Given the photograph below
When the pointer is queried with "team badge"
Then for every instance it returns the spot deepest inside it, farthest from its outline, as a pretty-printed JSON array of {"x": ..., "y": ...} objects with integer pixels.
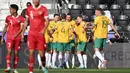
[
  {"x": 18, "y": 21},
  {"x": 40, "y": 12}
]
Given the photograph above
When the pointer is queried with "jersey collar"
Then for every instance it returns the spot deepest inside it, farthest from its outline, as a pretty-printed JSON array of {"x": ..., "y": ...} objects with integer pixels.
[
  {"x": 15, "y": 17},
  {"x": 37, "y": 7}
]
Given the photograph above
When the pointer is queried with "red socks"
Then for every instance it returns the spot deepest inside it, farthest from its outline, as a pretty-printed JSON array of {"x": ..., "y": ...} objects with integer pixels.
[
  {"x": 15, "y": 62},
  {"x": 8, "y": 61},
  {"x": 30, "y": 63}
]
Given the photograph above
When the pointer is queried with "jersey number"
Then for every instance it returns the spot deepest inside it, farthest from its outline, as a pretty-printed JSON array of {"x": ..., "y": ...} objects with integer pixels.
[{"x": 104, "y": 23}]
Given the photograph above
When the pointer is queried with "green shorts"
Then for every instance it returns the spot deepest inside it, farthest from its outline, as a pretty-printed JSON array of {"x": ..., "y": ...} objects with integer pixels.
[
  {"x": 54, "y": 45},
  {"x": 99, "y": 43},
  {"x": 72, "y": 44},
  {"x": 63, "y": 47},
  {"x": 49, "y": 46},
  {"x": 81, "y": 46}
]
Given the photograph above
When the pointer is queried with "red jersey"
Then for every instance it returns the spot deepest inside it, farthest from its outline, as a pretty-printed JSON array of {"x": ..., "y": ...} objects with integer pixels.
[
  {"x": 36, "y": 18},
  {"x": 14, "y": 24}
]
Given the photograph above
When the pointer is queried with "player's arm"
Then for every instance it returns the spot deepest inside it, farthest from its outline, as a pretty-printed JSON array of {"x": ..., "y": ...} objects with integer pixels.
[
  {"x": 20, "y": 31},
  {"x": 46, "y": 21},
  {"x": 112, "y": 26},
  {"x": 4, "y": 32}
]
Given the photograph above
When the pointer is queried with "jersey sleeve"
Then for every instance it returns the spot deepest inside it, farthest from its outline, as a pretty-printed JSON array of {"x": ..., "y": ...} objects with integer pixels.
[
  {"x": 45, "y": 12},
  {"x": 6, "y": 20},
  {"x": 49, "y": 26},
  {"x": 22, "y": 20},
  {"x": 108, "y": 21},
  {"x": 96, "y": 21},
  {"x": 27, "y": 11}
]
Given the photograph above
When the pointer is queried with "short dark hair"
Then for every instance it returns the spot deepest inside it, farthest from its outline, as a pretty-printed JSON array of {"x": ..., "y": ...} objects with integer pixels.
[
  {"x": 63, "y": 16},
  {"x": 99, "y": 9},
  {"x": 80, "y": 16},
  {"x": 14, "y": 6},
  {"x": 56, "y": 15},
  {"x": 28, "y": 4},
  {"x": 69, "y": 14}
]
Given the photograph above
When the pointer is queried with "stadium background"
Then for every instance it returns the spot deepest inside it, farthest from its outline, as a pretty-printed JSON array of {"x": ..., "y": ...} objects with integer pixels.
[{"x": 118, "y": 55}]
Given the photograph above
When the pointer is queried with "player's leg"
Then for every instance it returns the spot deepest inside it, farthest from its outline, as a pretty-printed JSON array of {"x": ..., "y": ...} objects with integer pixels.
[
  {"x": 79, "y": 55},
  {"x": 39, "y": 61},
  {"x": 60, "y": 56},
  {"x": 67, "y": 54},
  {"x": 102, "y": 53},
  {"x": 48, "y": 53},
  {"x": 84, "y": 54},
  {"x": 9, "y": 45},
  {"x": 41, "y": 50},
  {"x": 83, "y": 51},
  {"x": 54, "y": 55},
  {"x": 31, "y": 47},
  {"x": 73, "y": 56},
  {"x": 17, "y": 46},
  {"x": 97, "y": 45}
]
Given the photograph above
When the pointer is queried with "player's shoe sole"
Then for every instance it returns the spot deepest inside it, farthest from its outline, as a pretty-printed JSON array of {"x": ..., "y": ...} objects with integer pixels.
[
  {"x": 45, "y": 70},
  {"x": 7, "y": 70},
  {"x": 15, "y": 71}
]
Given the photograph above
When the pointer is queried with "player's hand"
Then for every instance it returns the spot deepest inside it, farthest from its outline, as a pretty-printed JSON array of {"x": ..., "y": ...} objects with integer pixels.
[
  {"x": 2, "y": 40},
  {"x": 51, "y": 39},
  {"x": 117, "y": 36},
  {"x": 15, "y": 35},
  {"x": 110, "y": 43},
  {"x": 22, "y": 38},
  {"x": 42, "y": 32},
  {"x": 70, "y": 35}
]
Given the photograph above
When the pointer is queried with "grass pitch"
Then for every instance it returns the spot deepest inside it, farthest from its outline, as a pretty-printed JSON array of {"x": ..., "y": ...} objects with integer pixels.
[{"x": 74, "y": 71}]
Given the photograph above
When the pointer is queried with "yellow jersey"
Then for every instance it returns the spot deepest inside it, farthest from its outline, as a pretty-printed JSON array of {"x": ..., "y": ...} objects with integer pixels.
[
  {"x": 101, "y": 26},
  {"x": 52, "y": 26},
  {"x": 63, "y": 29},
  {"x": 47, "y": 37},
  {"x": 71, "y": 34},
  {"x": 81, "y": 34}
]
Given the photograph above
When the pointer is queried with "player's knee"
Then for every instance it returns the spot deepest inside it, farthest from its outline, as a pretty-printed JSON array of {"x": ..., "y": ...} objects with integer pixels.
[
  {"x": 96, "y": 49},
  {"x": 78, "y": 52},
  {"x": 31, "y": 52},
  {"x": 9, "y": 51},
  {"x": 16, "y": 53}
]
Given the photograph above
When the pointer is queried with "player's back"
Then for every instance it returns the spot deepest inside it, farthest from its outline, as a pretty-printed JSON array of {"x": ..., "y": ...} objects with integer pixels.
[
  {"x": 63, "y": 28},
  {"x": 101, "y": 29}
]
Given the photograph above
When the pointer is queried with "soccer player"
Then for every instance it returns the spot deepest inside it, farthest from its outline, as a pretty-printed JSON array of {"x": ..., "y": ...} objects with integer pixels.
[
  {"x": 54, "y": 39},
  {"x": 71, "y": 39},
  {"x": 100, "y": 27},
  {"x": 63, "y": 29},
  {"x": 13, "y": 28},
  {"x": 81, "y": 39},
  {"x": 38, "y": 18}
]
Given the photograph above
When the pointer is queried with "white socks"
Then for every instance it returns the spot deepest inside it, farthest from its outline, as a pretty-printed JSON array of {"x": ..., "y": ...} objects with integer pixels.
[
  {"x": 80, "y": 59},
  {"x": 60, "y": 59},
  {"x": 100, "y": 64},
  {"x": 49, "y": 60},
  {"x": 73, "y": 60},
  {"x": 66, "y": 57},
  {"x": 85, "y": 60},
  {"x": 98, "y": 54},
  {"x": 39, "y": 60},
  {"x": 54, "y": 59}
]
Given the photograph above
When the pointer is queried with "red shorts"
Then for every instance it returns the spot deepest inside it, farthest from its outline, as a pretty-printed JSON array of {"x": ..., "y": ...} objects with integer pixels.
[
  {"x": 36, "y": 41},
  {"x": 15, "y": 43}
]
